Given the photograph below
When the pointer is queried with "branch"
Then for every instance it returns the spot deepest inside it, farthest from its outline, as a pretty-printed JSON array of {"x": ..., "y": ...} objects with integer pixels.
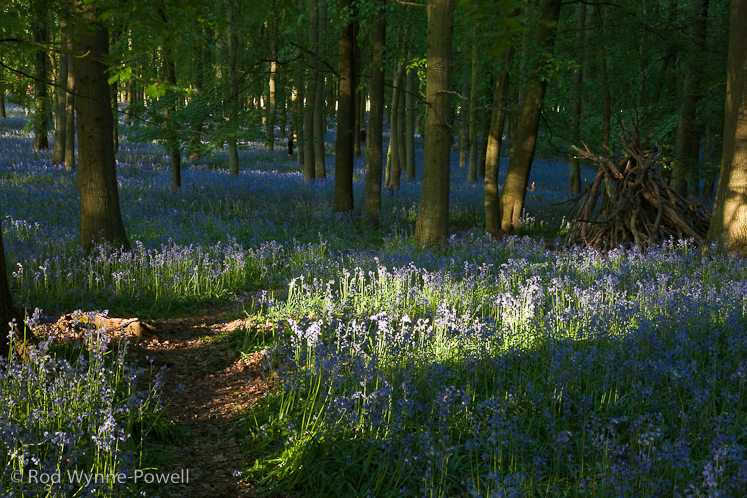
[{"x": 412, "y": 4}]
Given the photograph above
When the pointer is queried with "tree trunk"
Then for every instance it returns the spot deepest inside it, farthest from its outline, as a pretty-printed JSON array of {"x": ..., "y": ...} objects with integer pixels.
[
  {"x": 346, "y": 134},
  {"x": 272, "y": 85},
  {"x": 357, "y": 100},
  {"x": 472, "y": 169},
  {"x": 2, "y": 94},
  {"x": 520, "y": 164},
  {"x": 297, "y": 117},
  {"x": 70, "y": 112},
  {"x": 172, "y": 142},
  {"x": 687, "y": 147},
  {"x": 319, "y": 113},
  {"x": 604, "y": 81},
  {"x": 195, "y": 139},
  {"x": 114, "y": 93},
  {"x": 271, "y": 100},
  {"x": 376, "y": 120},
  {"x": 574, "y": 163},
  {"x": 282, "y": 108},
  {"x": 298, "y": 103},
  {"x": 432, "y": 225},
  {"x": 309, "y": 169},
  {"x": 60, "y": 125},
  {"x": 41, "y": 103},
  {"x": 394, "y": 131},
  {"x": 668, "y": 63},
  {"x": 10, "y": 313},
  {"x": 713, "y": 147},
  {"x": 495, "y": 140},
  {"x": 464, "y": 128},
  {"x": 410, "y": 120},
  {"x": 401, "y": 123},
  {"x": 362, "y": 108},
  {"x": 233, "y": 90},
  {"x": 729, "y": 222},
  {"x": 332, "y": 103},
  {"x": 100, "y": 217}
]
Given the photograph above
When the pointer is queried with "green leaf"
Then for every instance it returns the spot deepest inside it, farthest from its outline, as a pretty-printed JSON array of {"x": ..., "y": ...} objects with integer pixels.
[
  {"x": 154, "y": 91},
  {"x": 113, "y": 78}
]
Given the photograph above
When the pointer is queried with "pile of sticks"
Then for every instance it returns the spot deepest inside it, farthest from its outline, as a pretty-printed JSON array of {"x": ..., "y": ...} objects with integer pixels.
[{"x": 638, "y": 207}]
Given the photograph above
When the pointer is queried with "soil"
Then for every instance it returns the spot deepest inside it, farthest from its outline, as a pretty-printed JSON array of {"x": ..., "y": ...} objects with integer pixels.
[{"x": 218, "y": 384}]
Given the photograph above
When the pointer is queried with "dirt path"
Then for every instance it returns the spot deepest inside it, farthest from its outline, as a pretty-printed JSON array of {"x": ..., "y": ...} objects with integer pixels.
[{"x": 218, "y": 384}]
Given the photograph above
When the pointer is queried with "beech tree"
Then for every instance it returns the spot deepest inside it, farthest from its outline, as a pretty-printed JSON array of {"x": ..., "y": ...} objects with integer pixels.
[
  {"x": 100, "y": 217},
  {"x": 432, "y": 225},
  {"x": 520, "y": 163},
  {"x": 374, "y": 153},
  {"x": 344, "y": 154},
  {"x": 729, "y": 222},
  {"x": 40, "y": 32}
]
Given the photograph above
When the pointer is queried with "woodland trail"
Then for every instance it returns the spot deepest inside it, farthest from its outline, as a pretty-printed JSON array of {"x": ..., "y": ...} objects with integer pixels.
[{"x": 217, "y": 384}]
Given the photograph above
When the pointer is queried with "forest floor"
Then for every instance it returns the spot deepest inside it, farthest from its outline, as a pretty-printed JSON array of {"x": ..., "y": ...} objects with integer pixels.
[{"x": 218, "y": 383}]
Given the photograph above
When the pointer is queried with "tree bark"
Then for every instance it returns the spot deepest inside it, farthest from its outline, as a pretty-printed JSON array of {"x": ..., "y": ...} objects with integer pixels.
[
  {"x": 574, "y": 163},
  {"x": 10, "y": 313},
  {"x": 670, "y": 56},
  {"x": 172, "y": 142},
  {"x": 309, "y": 168},
  {"x": 70, "y": 112},
  {"x": 472, "y": 169},
  {"x": 432, "y": 225},
  {"x": 729, "y": 222},
  {"x": 401, "y": 123},
  {"x": 195, "y": 139},
  {"x": 464, "y": 128},
  {"x": 41, "y": 104},
  {"x": 495, "y": 140},
  {"x": 298, "y": 103},
  {"x": 320, "y": 168},
  {"x": 604, "y": 81},
  {"x": 374, "y": 137},
  {"x": 346, "y": 134},
  {"x": 520, "y": 164},
  {"x": 60, "y": 125},
  {"x": 2, "y": 96},
  {"x": 410, "y": 120},
  {"x": 271, "y": 94},
  {"x": 233, "y": 41},
  {"x": 687, "y": 145},
  {"x": 395, "y": 174},
  {"x": 357, "y": 99},
  {"x": 100, "y": 217}
]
